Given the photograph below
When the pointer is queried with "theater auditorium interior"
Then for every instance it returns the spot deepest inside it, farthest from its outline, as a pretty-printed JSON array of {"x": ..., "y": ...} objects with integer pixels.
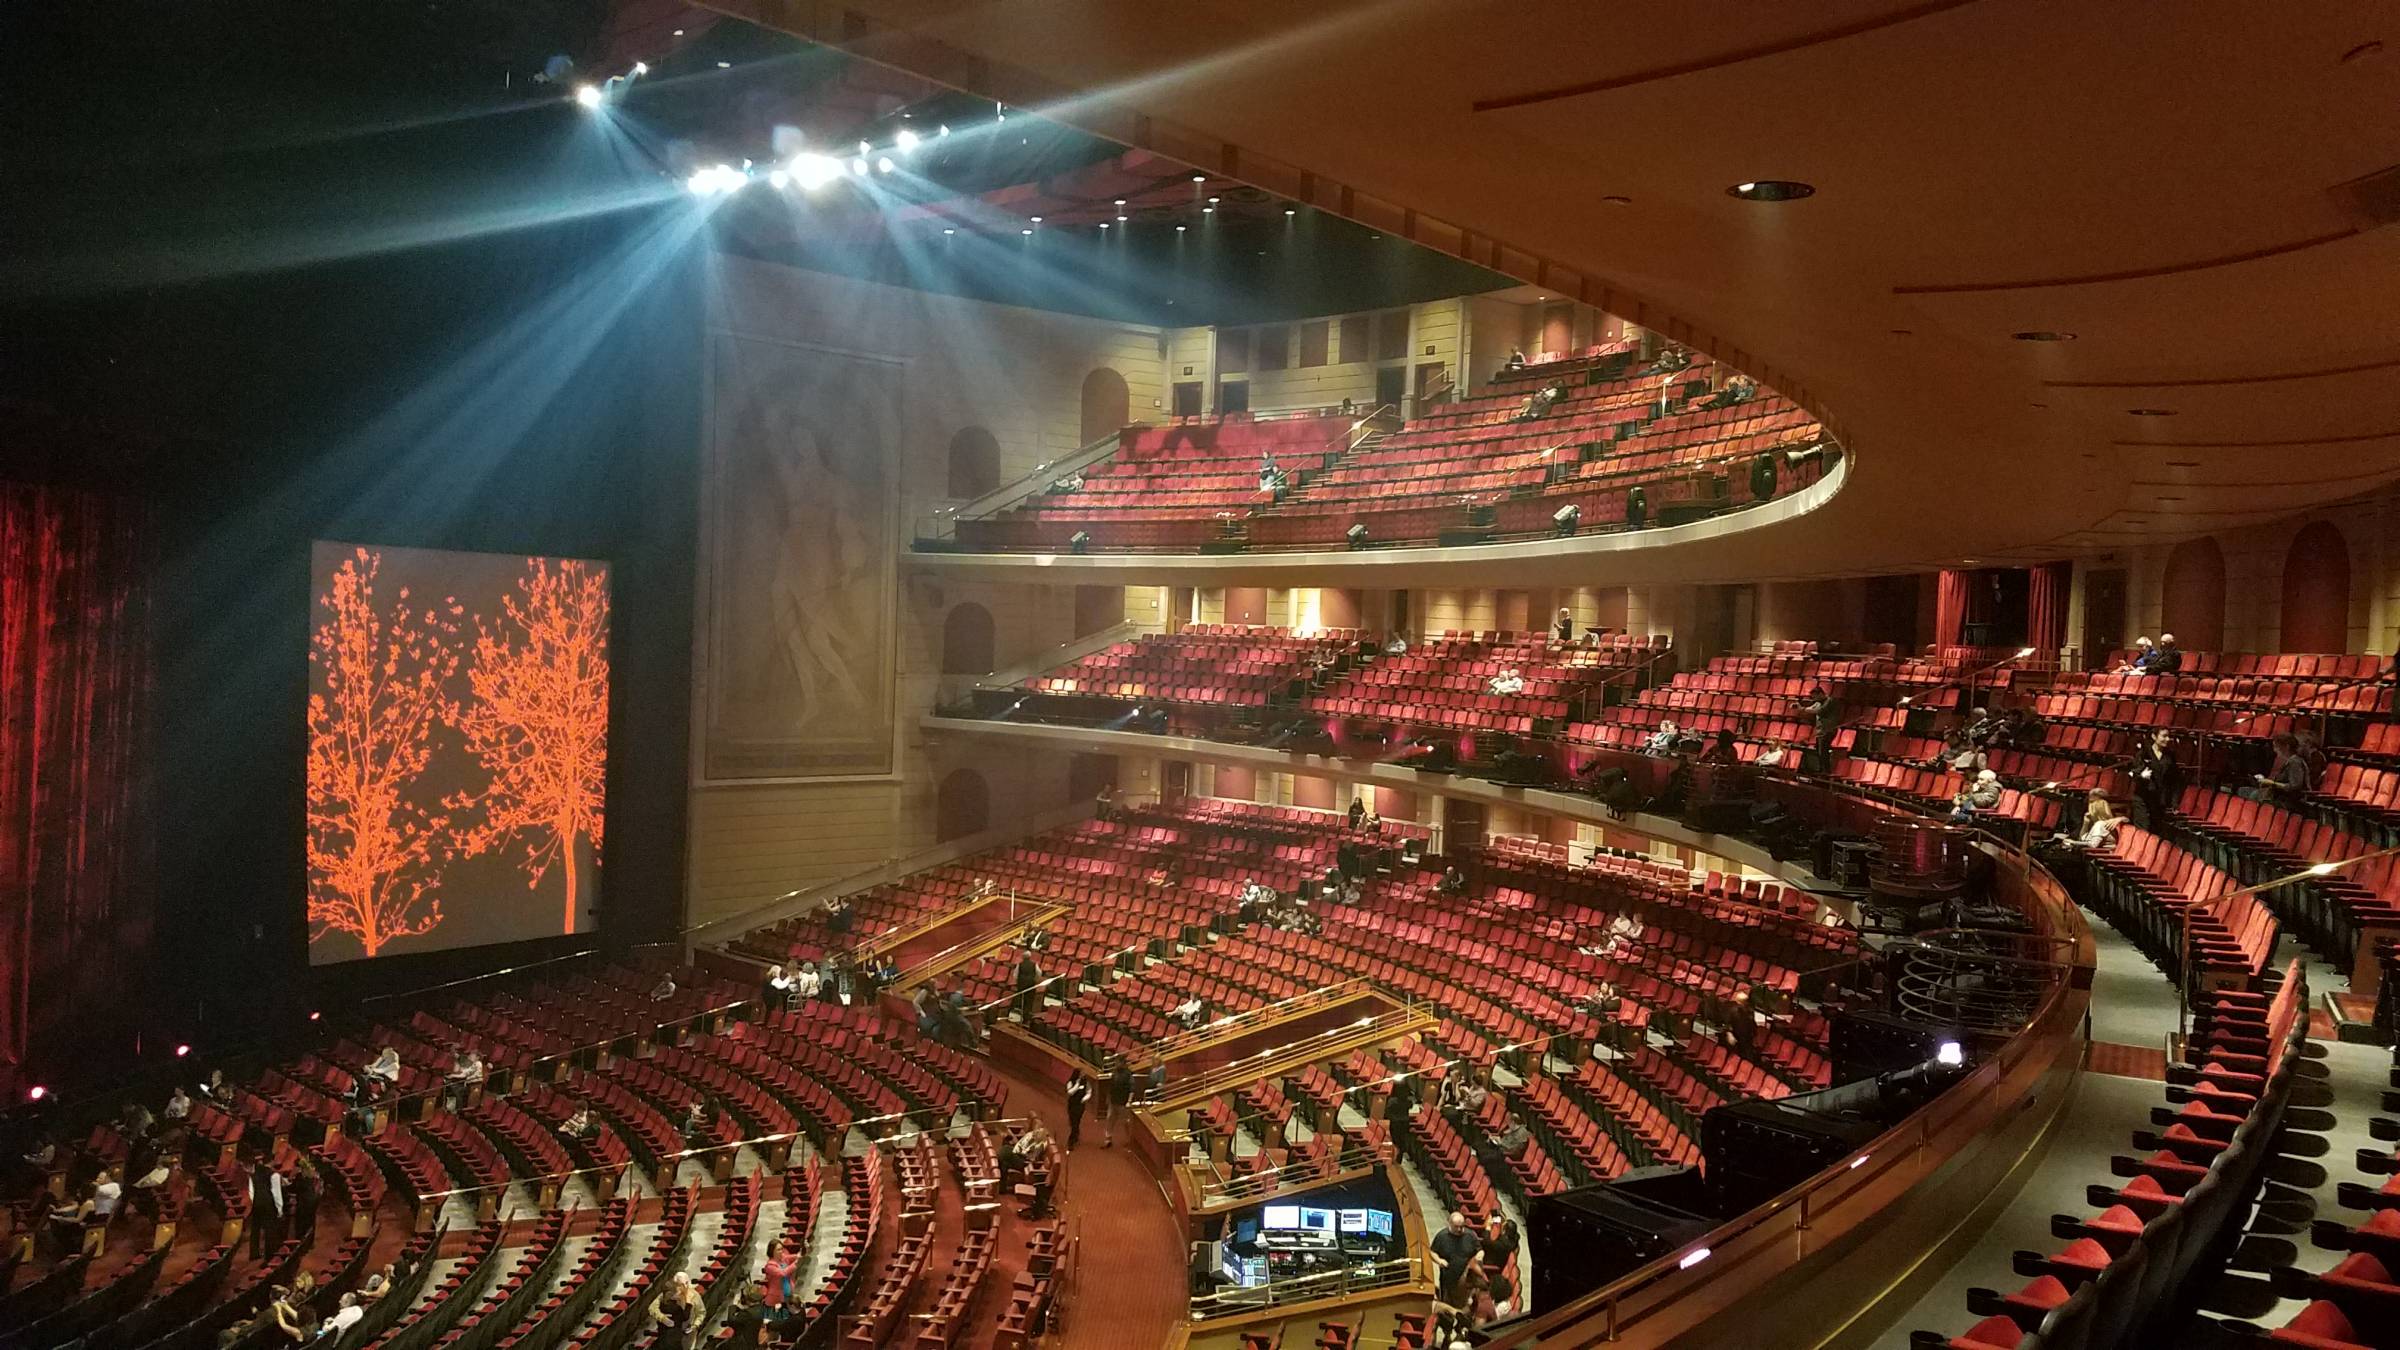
[{"x": 1378, "y": 675}]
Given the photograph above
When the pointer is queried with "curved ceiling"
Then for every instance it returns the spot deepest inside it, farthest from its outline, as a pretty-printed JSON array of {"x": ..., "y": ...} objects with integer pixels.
[{"x": 2162, "y": 184}]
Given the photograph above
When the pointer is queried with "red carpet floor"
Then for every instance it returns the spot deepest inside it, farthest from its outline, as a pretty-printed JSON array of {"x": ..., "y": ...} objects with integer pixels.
[
  {"x": 2128, "y": 1061},
  {"x": 1129, "y": 1290}
]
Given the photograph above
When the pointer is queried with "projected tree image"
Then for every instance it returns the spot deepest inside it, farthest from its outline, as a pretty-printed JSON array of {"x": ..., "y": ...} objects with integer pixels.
[
  {"x": 457, "y": 751},
  {"x": 376, "y": 844},
  {"x": 538, "y": 721}
]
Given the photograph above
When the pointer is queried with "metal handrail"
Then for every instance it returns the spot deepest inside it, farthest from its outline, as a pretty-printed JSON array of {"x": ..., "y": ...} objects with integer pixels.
[
  {"x": 1034, "y": 480},
  {"x": 1171, "y": 1046}
]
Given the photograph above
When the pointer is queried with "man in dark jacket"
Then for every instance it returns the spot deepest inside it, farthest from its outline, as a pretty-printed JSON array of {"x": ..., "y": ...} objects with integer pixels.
[{"x": 1029, "y": 981}]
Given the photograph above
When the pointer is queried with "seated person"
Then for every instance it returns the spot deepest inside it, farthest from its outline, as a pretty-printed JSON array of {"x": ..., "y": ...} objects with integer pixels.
[
  {"x": 699, "y": 1121},
  {"x": 385, "y": 1065},
  {"x": 2100, "y": 822},
  {"x": 1773, "y": 757},
  {"x": 1722, "y": 750},
  {"x": 1453, "y": 882},
  {"x": 1662, "y": 741},
  {"x": 665, "y": 988},
  {"x": 579, "y": 1124},
  {"x": 1026, "y": 1153},
  {"x": 2284, "y": 781},
  {"x": 1516, "y": 359},
  {"x": 1191, "y": 1013},
  {"x": 1960, "y": 754},
  {"x": 376, "y": 1285},
  {"x": 1397, "y": 645},
  {"x": 2138, "y": 663},
  {"x": 179, "y": 1104},
  {"x": 1982, "y": 794},
  {"x": 2166, "y": 658},
  {"x": 1508, "y": 681}
]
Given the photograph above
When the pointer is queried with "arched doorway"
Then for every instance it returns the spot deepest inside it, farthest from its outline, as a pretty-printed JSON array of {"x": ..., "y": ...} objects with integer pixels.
[
  {"x": 2192, "y": 603},
  {"x": 2316, "y": 590},
  {"x": 962, "y": 806},
  {"x": 974, "y": 463},
  {"x": 967, "y": 641},
  {"x": 1105, "y": 405}
]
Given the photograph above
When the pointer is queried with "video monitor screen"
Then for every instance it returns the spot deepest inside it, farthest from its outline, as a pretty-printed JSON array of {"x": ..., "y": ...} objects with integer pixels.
[
  {"x": 457, "y": 749},
  {"x": 1379, "y": 1222},
  {"x": 1354, "y": 1220},
  {"x": 1316, "y": 1220},
  {"x": 1280, "y": 1218}
]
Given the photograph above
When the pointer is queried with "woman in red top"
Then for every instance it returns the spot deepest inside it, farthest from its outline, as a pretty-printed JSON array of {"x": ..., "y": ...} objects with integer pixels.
[{"x": 776, "y": 1291}]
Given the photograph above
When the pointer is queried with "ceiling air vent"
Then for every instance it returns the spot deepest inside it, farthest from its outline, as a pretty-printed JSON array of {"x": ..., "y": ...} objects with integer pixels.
[{"x": 2372, "y": 200}]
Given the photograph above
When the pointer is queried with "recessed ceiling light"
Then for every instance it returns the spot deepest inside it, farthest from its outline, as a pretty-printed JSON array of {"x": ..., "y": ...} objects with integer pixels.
[
  {"x": 1208, "y": 210},
  {"x": 1771, "y": 190},
  {"x": 1291, "y": 210},
  {"x": 1027, "y": 230},
  {"x": 1104, "y": 224},
  {"x": 949, "y": 231},
  {"x": 1199, "y": 178},
  {"x": 2151, "y": 412},
  {"x": 679, "y": 32},
  {"x": 1181, "y": 228},
  {"x": 724, "y": 65},
  {"x": 1035, "y": 219},
  {"x": 1214, "y": 200},
  {"x": 1120, "y": 217},
  {"x": 1120, "y": 201},
  {"x": 2042, "y": 335},
  {"x": 1970, "y": 561}
]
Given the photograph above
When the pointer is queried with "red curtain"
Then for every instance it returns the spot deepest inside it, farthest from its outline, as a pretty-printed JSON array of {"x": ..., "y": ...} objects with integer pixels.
[
  {"x": 2046, "y": 606},
  {"x": 1950, "y": 607},
  {"x": 76, "y": 871}
]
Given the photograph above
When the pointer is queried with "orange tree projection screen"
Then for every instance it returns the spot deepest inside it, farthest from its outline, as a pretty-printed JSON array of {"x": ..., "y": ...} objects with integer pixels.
[{"x": 457, "y": 749}]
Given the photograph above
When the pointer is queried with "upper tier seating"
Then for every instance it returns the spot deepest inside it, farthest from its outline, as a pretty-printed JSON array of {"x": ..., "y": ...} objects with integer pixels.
[
  {"x": 1623, "y": 444},
  {"x": 1202, "y": 663}
]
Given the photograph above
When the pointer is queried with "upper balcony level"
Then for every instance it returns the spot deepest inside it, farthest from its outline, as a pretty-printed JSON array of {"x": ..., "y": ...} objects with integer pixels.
[{"x": 1618, "y": 445}]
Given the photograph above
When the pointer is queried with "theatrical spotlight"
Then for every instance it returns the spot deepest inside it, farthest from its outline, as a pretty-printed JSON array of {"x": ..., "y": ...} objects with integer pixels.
[
  {"x": 1357, "y": 535},
  {"x": 1079, "y": 542},
  {"x": 1566, "y": 518},
  {"x": 812, "y": 171},
  {"x": 883, "y": 164},
  {"x": 715, "y": 180},
  {"x": 588, "y": 95},
  {"x": 906, "y": 140}
]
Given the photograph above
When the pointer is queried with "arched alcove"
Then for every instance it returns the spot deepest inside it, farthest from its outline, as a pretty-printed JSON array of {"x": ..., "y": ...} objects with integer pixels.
[
  {"x": 962, "y": 806},
  {"x": 1105, "y": 404},
  {"x": 2316, "y": 590},
  {"x": 2192, "y": 603},
  {"x": 974, "y": 463},
  {"x": 967, "y": 641}
]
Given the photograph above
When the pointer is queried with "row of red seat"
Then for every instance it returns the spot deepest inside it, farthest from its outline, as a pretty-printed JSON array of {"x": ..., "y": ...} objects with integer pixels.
[{"x": 2124, "y": 1273}]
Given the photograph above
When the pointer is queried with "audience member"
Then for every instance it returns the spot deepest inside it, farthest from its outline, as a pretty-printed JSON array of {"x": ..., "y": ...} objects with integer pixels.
[
  {"x": 1029, "y": 986},
  {"x": 1982, "y": 794},
  {"x": 1722, "y": 750},
  {"x": 1562, "y": 626},
  {"x": 806, "y": 983},
  {"x": 746, "y": 1321},
  {"x": 346, "y": 1314},
  {"x": 1454, "y": 1248},
  {"x": 2157, "y": 779},
  {"x": 2138, "y": 661},
  {"x": 2166, "y": 658},
  {"x": 1662, "y": 741},
  {"x": 1397, "y": 645},
  {"x": 179, "y": 1105},
  {"x": 377, "y": 1284},
  {"x": 2286, "y": 780},
  {"x": 1508, "y": 681},
  {"x": 385, "y": 1065},
  {"x": 778, "y": 1291},
  {"x": 676, "y": 1315},
  {"x": 1453, "y": 882},
  {"x": 1117, "y": 1101},
  {"x": 266, "y": 1209},
  {"x": 1516, "y": 359},
  {"x": 665, "y": 988},
  {"x": 2100, "y": 822}
]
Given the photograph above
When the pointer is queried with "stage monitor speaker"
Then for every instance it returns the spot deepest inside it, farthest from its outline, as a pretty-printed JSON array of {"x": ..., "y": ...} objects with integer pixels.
[
  {"x": 1866, "y": 1042},
  {"x": 1593, "y": 1235}
]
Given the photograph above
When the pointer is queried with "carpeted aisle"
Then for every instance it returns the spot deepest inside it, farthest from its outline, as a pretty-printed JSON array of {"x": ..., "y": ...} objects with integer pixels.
[{"x": 1129, "y": 1291}]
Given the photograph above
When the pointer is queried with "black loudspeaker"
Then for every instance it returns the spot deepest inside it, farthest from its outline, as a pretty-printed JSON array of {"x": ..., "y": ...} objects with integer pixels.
[
  {"x": 1637, "y": 510},
  {"x": 1756, "y": 1150},
  {"x": 1866, "y": 1042},
  {"x": 1594, "y": 1235},
  {"x": 1762, "y": 477}
]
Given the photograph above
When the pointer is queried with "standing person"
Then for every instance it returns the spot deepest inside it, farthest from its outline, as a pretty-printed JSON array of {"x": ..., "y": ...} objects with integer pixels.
[
  {"x": 777, "y": 993},
  {"x": 775, "y": 1281},
  {"x": 2157, "y": 778},
  {"x": 304, "y": 1193},
  {"x": 1358, "y": 811},
  {"x": 1824, "y": 712},
  {"x": 1104, "y": 806},
  {"x": 1454, "y": 1247},
  {"x": 1079, "y": 1093},
  {"x": 266, "y": 1209},
  {"x": 676, "y": 1314},
  {"x": 1029, "y": 987},
  {"x": 1119, "y": 1100},
  {"x": 746, "y": 1320},
  {"x": 805, "y": 984},
  {"x": 1562, "y": 628}
]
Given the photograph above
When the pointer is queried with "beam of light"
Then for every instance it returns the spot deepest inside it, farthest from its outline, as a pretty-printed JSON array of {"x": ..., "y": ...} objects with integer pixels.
[
  {"x": 715, "y": 180},
  {"x": 812, "y": 171},
  {"x": 906, "y": 140},
  {"x": 588, "y": 95}
]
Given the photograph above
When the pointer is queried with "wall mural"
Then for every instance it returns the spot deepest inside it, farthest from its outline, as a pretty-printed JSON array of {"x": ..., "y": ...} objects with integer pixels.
[{"x": 799, "y": 540}]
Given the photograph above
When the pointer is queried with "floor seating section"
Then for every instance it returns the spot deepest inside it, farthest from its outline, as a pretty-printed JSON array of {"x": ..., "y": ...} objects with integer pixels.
[
  {"x": 1623, "y": 442},
  {"x": 553, "y": 1252},
  {"x": 2180, "y": 1203}
]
